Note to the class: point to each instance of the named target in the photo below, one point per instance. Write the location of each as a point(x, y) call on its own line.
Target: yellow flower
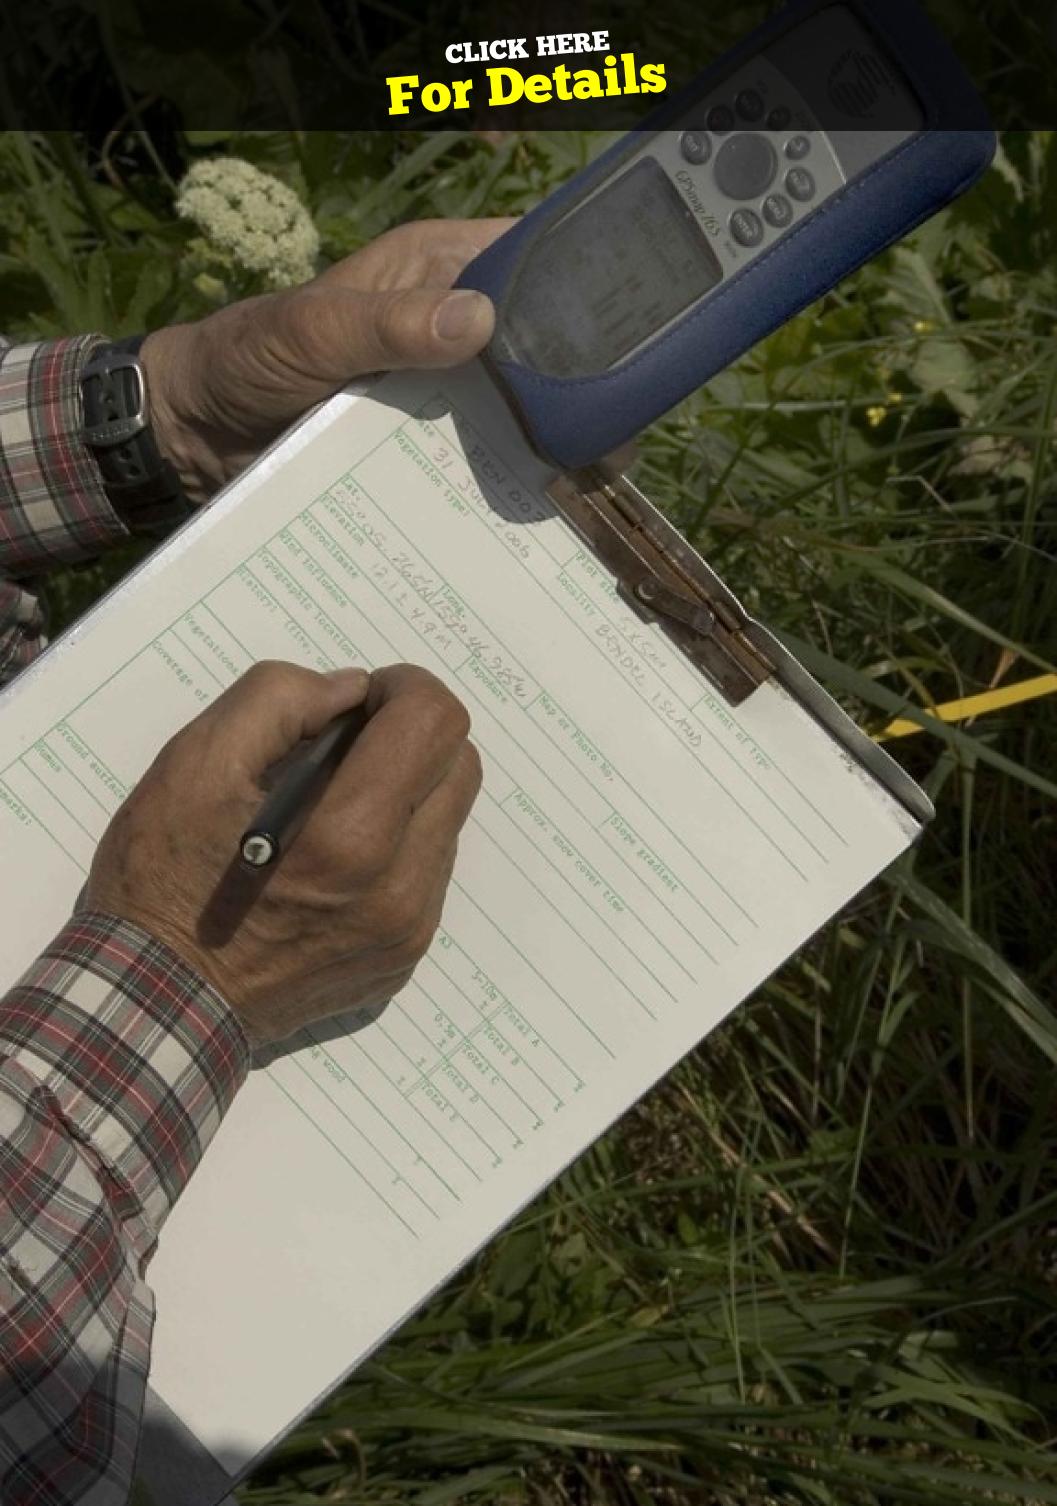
point(923, 326)
point(876, 415)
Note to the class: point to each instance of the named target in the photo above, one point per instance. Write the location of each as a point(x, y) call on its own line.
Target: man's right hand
point(350, 909)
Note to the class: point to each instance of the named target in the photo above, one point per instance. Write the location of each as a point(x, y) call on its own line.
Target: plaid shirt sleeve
point(53, 509)
point(117, 1062)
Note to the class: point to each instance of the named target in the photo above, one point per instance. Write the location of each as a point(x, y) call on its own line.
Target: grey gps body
point(689, 208)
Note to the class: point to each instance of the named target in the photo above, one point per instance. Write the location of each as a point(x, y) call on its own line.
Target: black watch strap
point(141, 485)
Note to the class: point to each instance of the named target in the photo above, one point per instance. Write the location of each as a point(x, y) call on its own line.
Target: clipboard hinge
point(660, 581)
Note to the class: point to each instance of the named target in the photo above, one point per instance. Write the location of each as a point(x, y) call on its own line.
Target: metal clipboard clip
point(666, 581)
point(663, 579)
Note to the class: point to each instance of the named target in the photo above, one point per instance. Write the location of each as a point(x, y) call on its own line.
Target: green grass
point(817, 1265)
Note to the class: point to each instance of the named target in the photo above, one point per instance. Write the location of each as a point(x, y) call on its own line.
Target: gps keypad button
point(777, 211)
point(800, 184)
point(746, 227)
point(696, 146)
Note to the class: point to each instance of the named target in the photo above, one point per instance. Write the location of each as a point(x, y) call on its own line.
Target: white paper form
point(640, 858)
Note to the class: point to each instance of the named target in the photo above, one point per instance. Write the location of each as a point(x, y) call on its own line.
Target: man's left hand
point(223, 388)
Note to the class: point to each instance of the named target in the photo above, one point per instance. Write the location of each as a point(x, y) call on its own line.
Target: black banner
point(338, 64)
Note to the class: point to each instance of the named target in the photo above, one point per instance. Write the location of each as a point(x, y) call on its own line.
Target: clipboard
point(597, 933)
point(668, 583)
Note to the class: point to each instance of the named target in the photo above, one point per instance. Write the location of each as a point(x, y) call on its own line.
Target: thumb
point(412, 327)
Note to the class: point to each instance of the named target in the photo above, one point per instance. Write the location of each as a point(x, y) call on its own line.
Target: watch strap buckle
point(103, 426)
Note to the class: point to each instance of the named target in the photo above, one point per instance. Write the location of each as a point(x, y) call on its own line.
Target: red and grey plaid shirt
point(117, 1062)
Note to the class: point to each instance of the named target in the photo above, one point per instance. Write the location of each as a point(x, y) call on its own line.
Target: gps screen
point(609, 276)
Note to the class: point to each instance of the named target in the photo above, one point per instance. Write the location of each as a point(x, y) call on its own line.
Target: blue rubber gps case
point(575, 420)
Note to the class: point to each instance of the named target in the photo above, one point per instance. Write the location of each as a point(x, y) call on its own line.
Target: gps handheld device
point(822, 138)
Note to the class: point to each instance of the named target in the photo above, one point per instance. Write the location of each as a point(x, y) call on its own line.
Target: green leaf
point(943, 366)
point(844, 677)
point(918, 590)
point(1028, 1012)
point(912, 286)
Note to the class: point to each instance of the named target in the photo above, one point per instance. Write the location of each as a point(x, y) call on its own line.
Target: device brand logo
point(693, 198)
point(856, 81)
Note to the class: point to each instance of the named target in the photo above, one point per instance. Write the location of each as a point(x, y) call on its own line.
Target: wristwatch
point(141, 485)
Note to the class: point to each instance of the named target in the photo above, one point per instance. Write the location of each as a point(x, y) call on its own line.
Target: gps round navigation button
point(696, 146)
point(720, 119)
point(746, 166)
point(779, 118)
point(797, 148)
point(746, 227)
point(749, 105)
point(800, 184)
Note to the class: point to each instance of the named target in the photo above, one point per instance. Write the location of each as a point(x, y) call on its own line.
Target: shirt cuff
point(53, 505)
point(142, 1056)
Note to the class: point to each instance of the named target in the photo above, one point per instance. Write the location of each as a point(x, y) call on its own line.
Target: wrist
point(175, 368)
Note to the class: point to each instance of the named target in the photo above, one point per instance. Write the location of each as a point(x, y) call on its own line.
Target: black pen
point(286, 806)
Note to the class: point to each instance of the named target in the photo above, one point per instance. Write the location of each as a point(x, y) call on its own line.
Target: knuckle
point(419, 940)
point(284, 688)
point(263, 672)
point(470, 759)
point(414, 942)
point(176, 765)
point(276, 680)
point(403, 237)
point(458, 717)
point(441, 714)
point(400, 920)
point(366, 850)
point(436, 710)
point(405, 245)
point(352, 848)
point(400, 981)
point(171, 754)
point(328, 864)
point(318, 316)
point(396, 328)
point(310, 311)
point(392, 680)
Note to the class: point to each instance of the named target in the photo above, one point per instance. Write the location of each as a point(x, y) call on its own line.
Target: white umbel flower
point(251, 217)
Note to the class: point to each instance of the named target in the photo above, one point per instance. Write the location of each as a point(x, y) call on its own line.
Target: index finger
point(422, 253)
point(268, 712)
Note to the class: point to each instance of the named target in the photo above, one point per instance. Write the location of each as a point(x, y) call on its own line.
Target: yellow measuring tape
point(975, 705)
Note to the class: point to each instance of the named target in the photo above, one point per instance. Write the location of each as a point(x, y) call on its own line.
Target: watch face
point(141, 485)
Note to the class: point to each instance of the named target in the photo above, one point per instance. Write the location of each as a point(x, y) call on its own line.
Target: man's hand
point(346, 914)
point(224, 388)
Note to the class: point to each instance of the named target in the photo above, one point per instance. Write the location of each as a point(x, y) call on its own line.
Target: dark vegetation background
point(816, 1266)
point(321, 64)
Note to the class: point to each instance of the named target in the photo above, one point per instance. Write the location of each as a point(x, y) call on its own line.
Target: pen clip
point(659, 580)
